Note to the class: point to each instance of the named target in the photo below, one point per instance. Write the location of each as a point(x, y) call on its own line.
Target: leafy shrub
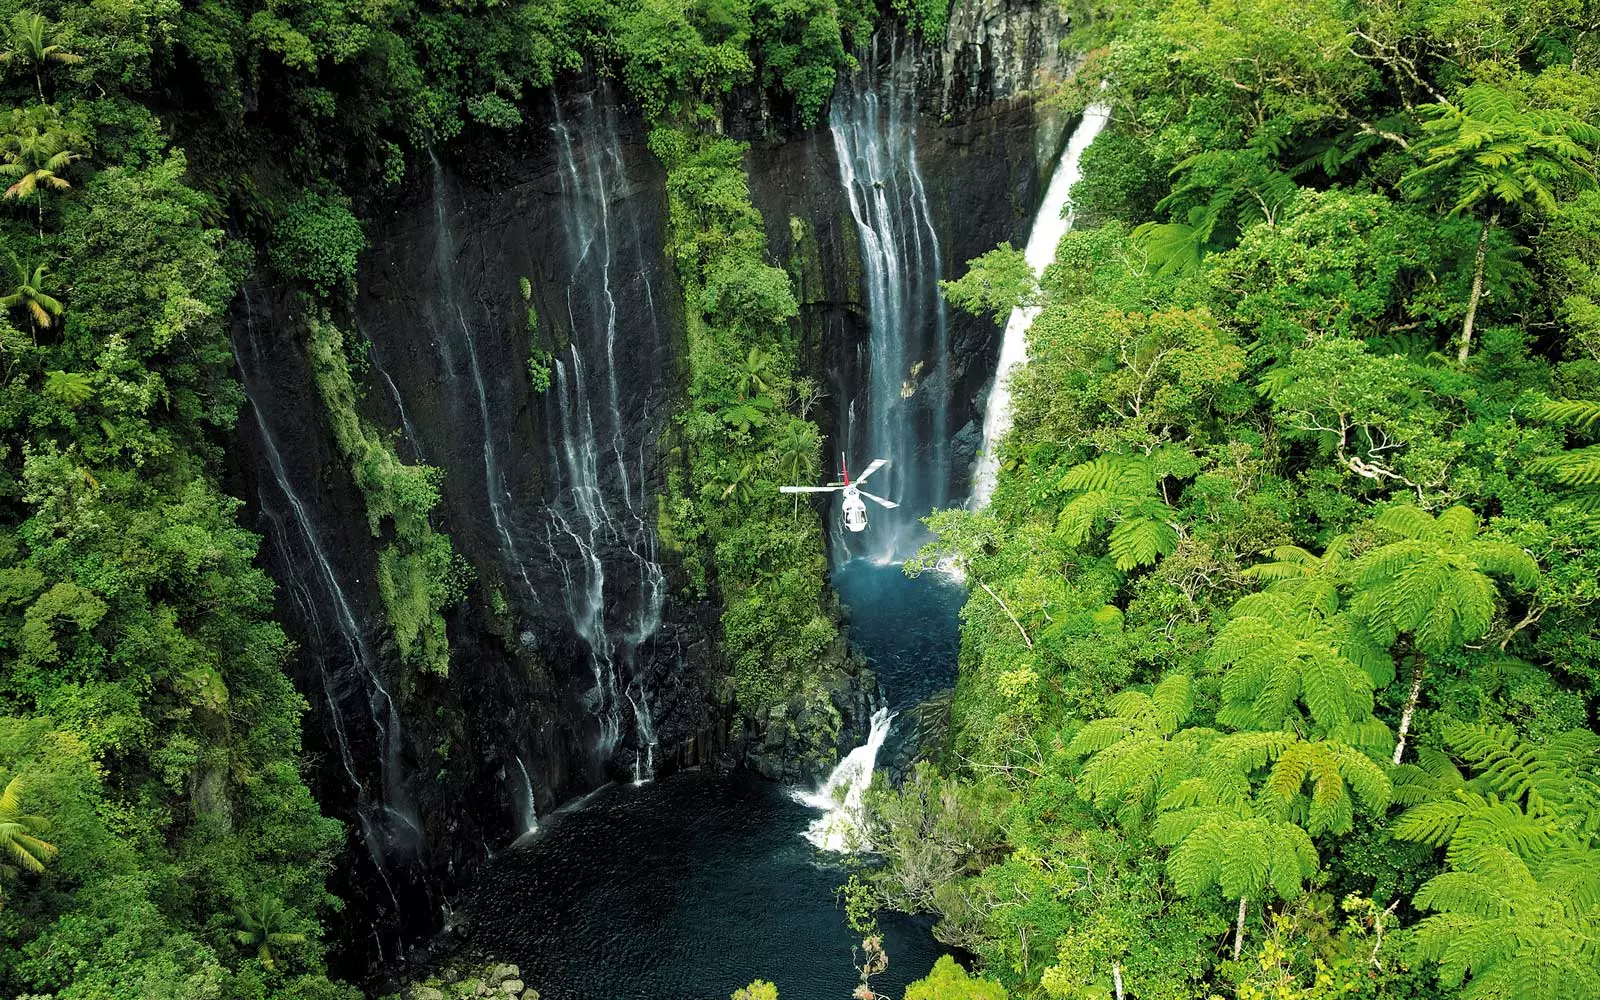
point(318, 241)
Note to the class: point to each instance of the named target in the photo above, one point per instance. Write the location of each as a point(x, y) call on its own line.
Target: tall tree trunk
point(1116, 977)
point(1477, 286)
point(1238, 928)
point(1417, 664)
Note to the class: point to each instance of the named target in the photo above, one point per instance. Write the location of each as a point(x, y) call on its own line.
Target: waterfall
point(589, 440)
point(454, 321)
point(842, 827)
point(353, 691)
point(1051, 224)
point(408, 431)
point(907, 360)
point(530, 817)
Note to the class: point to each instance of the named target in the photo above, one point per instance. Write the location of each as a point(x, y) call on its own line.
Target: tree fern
point(1124, 492)
point(1576, 468)
point(1315, 579)
point(1518, 912)
point(1433, 583)
point(1280, 653)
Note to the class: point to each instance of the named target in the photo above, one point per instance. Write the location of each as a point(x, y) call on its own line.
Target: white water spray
point(495, 491)
point(392, 819)
point(530, 816)
point(1049, 227)
point(842, 828)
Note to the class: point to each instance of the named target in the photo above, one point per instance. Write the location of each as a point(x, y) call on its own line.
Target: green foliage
point(1576, 468)
point(995, 283)
point(21, 848)
point(317, 241)
point(1488, 149)
point(740, 438)
point(949, 981)
point(263, 927)
point(1516, 912)
point(1124, 490)
point(1433, 583)
point(759, 989)
point(419, 574)
point(144, 709)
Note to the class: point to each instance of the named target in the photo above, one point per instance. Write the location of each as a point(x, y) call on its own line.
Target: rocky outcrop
point(996, 50)
point(490, 981)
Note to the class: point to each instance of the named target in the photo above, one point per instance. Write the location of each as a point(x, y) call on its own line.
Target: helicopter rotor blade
point(808, 489)
point(875, 465)
point(887, 503)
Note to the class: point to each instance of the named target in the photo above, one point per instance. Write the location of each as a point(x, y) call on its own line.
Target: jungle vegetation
point(1298, 522)
point(157, 834)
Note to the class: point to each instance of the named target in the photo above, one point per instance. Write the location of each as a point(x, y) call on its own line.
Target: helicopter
point(855, 512)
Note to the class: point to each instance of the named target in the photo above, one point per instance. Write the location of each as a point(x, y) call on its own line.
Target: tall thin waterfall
point(448, 318)
point(358, 705)
point(589, 439)
point(905, 415)
point(1051, 224)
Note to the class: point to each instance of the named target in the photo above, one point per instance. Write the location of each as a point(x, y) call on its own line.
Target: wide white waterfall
point(589, 439)
point(1052, 223)
point(842, 827)
point(906, 361)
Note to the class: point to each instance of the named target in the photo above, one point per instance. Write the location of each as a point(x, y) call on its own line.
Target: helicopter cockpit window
point(855, 518)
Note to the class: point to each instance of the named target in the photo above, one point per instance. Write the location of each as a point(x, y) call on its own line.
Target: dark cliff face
point(575, 657)
point(983, 172)
point(573, 660)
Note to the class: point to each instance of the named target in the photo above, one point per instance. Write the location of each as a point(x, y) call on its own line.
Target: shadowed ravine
point(691, 886)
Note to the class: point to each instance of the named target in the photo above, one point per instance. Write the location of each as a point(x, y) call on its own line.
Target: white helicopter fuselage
point(855, 510)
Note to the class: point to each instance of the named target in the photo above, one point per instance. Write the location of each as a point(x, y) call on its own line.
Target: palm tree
point(29, 44)
point(28, 294)
point(20, 846)
point(263, 927)
point(1488, 155)
point(797, 446)
point(1433, 584)
point(35, 158)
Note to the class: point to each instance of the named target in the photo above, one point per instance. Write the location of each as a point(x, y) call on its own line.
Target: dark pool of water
point(906, 627)
point(689, 887)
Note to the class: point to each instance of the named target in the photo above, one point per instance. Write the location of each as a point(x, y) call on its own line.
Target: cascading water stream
point(1051, 224)
point(530, 816)
point(452, 322)
point(907, 362)
point(590, 454)
point(391, 819)
point(842, 826)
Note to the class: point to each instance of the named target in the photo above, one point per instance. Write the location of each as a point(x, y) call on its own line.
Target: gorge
point(520, 334)
point(398, 598)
